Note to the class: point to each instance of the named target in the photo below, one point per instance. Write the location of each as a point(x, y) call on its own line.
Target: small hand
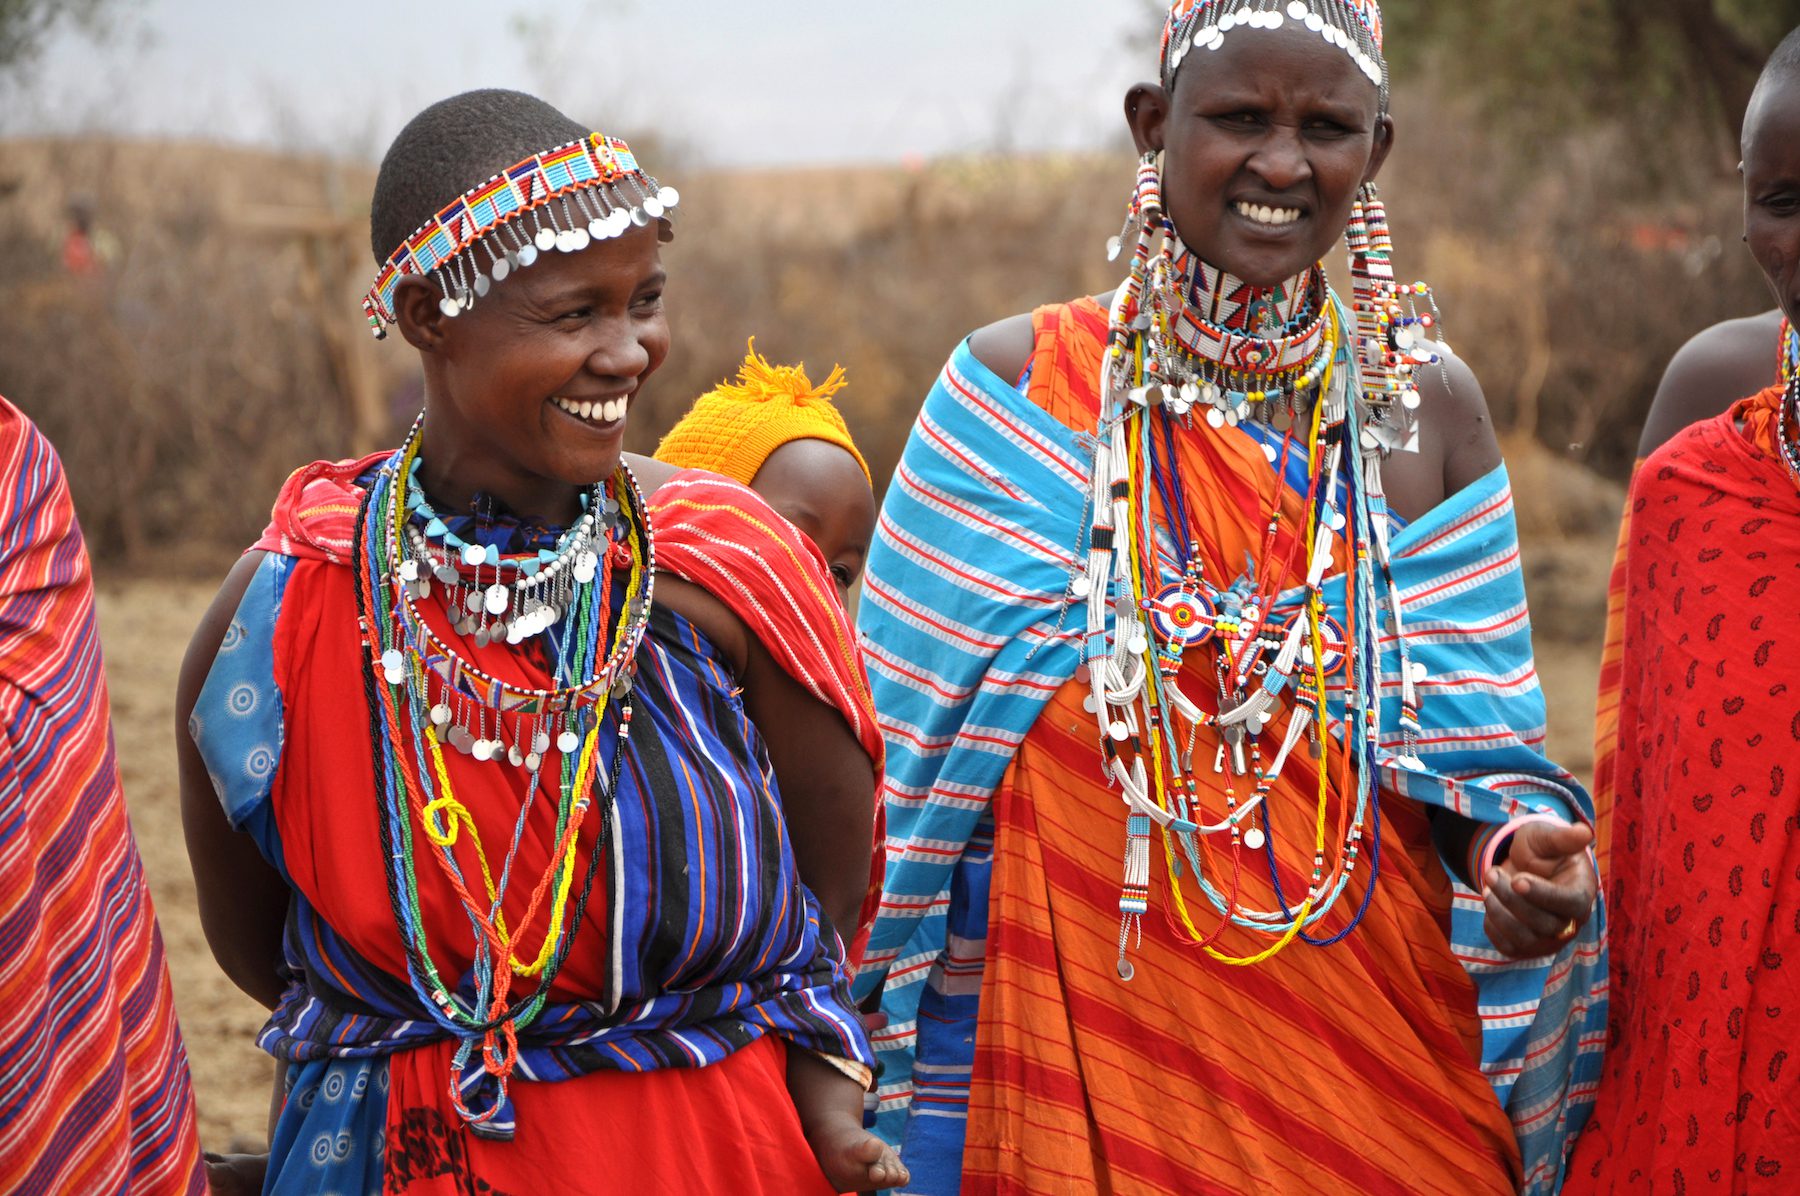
point(1542, 895)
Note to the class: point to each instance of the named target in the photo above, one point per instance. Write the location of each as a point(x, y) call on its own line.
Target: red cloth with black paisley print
point(1701, 1091)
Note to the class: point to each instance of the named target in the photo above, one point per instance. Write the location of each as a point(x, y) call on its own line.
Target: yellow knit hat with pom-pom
point(732, 429)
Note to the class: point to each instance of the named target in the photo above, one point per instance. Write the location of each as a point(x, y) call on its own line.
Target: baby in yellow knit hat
point(780, 435)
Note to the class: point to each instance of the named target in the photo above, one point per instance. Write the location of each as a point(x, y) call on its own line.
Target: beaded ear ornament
point(1327, 391)
point(562, 199)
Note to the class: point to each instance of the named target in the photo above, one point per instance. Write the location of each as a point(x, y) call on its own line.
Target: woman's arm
point(243, 899)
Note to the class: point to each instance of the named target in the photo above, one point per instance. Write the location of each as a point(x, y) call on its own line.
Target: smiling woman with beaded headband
point(1198, 636)
point(559, 815)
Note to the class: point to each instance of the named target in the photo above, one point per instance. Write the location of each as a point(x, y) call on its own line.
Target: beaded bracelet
point(1504, 835)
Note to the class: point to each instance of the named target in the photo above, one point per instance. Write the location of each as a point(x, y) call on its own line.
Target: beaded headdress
point(564, 199)
point(1353, 26)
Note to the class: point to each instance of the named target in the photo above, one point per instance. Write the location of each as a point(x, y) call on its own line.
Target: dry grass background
point(224, 347)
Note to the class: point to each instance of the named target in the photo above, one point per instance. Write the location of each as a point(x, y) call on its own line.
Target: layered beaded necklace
point(1186, 339)
point(422, 695)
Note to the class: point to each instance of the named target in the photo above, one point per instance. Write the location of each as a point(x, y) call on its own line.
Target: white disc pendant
point(1253, 838)
point(567, 742)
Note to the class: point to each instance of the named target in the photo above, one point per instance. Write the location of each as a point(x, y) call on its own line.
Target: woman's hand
point(1543, 893)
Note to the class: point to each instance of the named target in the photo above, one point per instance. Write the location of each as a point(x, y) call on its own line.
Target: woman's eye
point(577, 313)
point(842, 574)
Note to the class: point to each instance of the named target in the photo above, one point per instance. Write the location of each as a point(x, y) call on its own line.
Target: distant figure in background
point(85, 250)
point(1699, 1088)
point(94, 1090)
point(780, 435)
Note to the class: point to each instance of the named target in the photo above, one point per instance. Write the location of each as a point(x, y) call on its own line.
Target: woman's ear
point(1146, 113)
point(417, 314)
point(1384, 144)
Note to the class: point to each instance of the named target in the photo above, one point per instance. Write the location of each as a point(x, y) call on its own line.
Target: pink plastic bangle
point(1506, 834)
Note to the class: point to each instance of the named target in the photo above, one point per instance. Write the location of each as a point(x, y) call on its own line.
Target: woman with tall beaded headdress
point(1223, 855)
point(549, 821)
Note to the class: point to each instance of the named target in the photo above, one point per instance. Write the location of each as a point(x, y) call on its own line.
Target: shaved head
point(1782, 68)
point(452, 146)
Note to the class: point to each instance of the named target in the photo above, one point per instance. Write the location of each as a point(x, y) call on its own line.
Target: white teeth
point(1263, 214)
point(605, 411)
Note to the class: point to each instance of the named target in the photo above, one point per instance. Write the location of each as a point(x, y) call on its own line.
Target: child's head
point(777, 433)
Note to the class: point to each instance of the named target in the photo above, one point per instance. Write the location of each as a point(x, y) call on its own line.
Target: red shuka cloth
point(1703, 777)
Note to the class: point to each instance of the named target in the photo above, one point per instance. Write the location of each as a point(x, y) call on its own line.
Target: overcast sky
point(756, 81)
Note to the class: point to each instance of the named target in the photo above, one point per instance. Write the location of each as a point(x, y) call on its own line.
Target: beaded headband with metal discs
point(564, 199)
point(1354, 26)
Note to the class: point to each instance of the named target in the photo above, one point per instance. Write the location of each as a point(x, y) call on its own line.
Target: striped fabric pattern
point(729, 542)
point(700, 938)
point(969, 634)
point(94, 1089)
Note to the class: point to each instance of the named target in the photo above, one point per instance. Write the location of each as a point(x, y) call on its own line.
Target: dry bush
point(883, 271)
point(225, 346)
point(184, 382)
point(1567, 283)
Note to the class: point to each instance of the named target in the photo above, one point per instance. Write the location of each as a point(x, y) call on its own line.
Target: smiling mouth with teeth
point(605, 412)
point(1263, 214)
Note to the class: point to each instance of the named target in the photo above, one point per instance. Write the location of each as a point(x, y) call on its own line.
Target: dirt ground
point(145, 626)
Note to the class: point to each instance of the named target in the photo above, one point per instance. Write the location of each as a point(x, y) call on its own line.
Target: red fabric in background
point(1700, 1093)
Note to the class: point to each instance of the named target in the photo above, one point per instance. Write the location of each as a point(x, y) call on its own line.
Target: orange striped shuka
point(1278, 1076)
point(1407, 1057)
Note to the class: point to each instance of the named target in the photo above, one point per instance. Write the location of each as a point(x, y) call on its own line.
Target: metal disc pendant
point(545, 240)
point(481, 286)
point(527, 254)
point(497, 599)
point(567, 742)
point(503, 267)
point(1126, 971)
point(1254, 838)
